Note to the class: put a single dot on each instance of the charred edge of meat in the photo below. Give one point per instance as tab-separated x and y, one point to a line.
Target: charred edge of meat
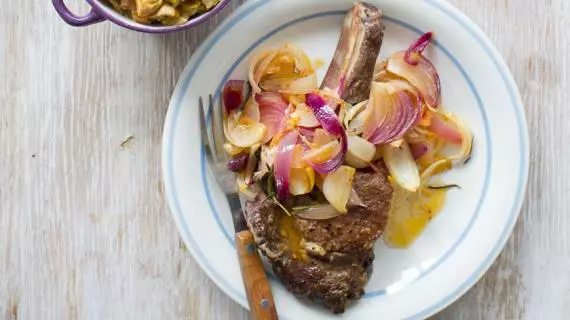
356	53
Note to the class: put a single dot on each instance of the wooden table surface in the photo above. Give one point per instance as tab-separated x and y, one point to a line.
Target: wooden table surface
85	231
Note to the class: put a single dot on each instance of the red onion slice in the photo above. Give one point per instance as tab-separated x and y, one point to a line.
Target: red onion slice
423	76
324	113
238	162
391	115
445	130
417	48
282	165
330	122
418	150
234	94
272	109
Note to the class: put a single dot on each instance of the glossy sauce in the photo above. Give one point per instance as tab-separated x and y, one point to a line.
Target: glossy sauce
410	215
293	236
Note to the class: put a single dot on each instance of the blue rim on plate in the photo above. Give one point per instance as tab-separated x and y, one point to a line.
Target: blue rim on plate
488	164
472	30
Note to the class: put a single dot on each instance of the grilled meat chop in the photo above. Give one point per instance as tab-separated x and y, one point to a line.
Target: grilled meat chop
324	260
327	261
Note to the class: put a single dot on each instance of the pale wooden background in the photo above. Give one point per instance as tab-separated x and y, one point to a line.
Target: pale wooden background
85	232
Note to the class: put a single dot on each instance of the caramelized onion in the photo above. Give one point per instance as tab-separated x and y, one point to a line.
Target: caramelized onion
285	70
322	154
402	166
241	131
305	117
301	181
391	113
417	48
423	76
337	187
257	67
330	122
272	109
251	164
291	85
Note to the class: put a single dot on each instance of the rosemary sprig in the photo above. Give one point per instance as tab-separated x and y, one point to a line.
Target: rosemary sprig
444	187
281	206
270	189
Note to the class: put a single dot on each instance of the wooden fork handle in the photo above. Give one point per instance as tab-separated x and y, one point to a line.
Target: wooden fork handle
255	280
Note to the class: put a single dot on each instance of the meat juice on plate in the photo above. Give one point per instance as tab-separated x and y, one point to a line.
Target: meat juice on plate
410	214
293	236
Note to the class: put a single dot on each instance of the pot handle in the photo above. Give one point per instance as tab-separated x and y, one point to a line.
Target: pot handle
73	19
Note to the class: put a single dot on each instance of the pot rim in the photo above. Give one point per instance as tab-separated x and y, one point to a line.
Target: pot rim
110	14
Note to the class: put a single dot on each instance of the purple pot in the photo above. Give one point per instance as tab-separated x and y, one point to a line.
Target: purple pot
100	12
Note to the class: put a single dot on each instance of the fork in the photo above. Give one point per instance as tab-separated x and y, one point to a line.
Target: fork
255	281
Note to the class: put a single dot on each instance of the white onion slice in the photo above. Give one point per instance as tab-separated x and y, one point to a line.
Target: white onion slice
232	150
251	109
360	152
466	146
337	187
306	117
301	181
262	74
435	168
402	166
243	132
354	118
318	212
291	85
257	67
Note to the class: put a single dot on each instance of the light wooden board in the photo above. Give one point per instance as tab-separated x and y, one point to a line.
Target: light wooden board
85	232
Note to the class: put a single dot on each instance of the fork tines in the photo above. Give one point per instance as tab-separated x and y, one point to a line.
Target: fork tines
211	142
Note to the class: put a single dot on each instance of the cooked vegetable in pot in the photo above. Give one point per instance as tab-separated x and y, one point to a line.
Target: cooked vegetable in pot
165	12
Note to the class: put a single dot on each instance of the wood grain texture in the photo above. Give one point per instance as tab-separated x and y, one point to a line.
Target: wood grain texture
257	287
84	228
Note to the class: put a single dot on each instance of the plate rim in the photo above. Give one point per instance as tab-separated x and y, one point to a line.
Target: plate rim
511	88
226	231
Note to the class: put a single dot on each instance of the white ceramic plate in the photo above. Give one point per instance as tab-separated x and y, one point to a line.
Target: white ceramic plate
458	246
